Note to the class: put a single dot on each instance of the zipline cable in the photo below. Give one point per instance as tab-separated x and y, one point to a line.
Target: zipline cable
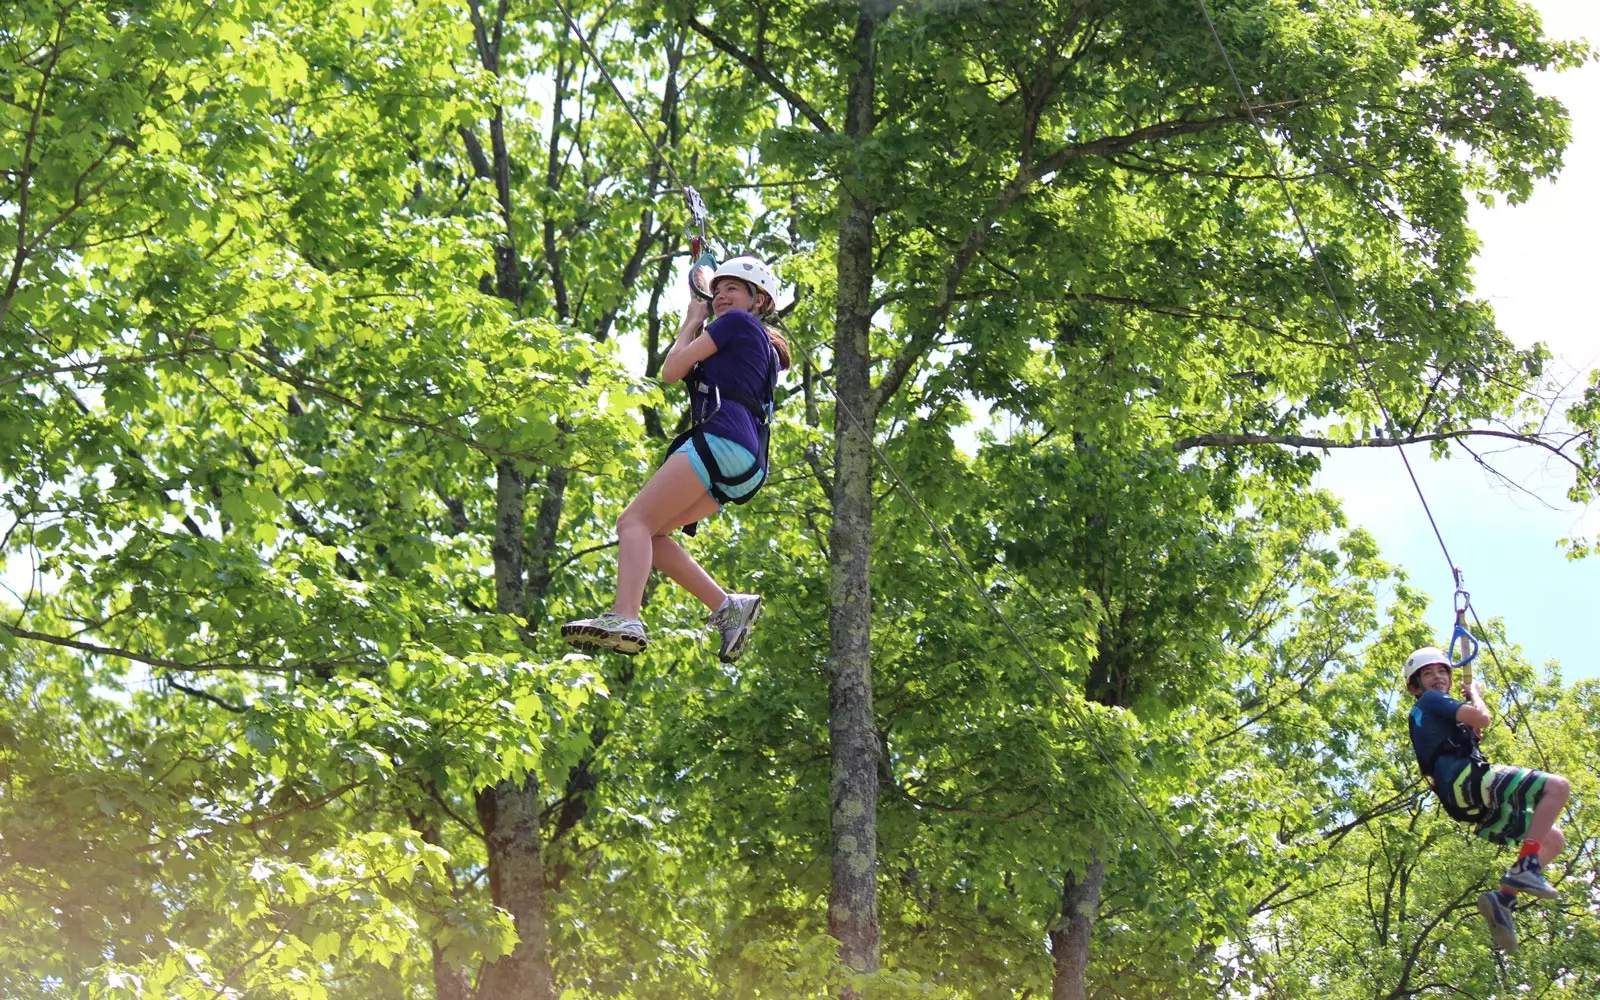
658	147
696	206
1362	363
1510	690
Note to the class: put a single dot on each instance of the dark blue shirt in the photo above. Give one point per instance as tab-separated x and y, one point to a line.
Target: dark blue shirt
740	362
1443	745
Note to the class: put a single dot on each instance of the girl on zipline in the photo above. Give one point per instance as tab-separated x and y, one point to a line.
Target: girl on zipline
1504	804
731	365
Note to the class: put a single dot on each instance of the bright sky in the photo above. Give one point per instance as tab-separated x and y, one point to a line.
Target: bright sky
1538	268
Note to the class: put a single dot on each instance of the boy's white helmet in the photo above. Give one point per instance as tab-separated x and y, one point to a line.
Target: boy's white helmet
1426	656
751	269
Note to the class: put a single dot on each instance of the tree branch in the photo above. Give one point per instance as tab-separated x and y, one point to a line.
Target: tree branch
25	179
288	666
1027	177
1300	441
475	153
102	362
764	74
203	694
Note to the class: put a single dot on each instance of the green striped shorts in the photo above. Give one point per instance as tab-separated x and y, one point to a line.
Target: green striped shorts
1508	793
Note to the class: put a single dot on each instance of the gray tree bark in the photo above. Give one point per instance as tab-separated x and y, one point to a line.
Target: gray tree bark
509	813
853	784
1069	939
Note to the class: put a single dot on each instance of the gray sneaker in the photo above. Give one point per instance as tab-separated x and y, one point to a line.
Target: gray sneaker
1527	876
609	631
734	620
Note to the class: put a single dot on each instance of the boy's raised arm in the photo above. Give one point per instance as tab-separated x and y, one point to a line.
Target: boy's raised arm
1473	711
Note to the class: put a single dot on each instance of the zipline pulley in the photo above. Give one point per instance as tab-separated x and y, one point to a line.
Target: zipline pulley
704	262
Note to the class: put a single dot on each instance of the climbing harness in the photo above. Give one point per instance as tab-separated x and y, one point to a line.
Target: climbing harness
705	398
705	402
1464	802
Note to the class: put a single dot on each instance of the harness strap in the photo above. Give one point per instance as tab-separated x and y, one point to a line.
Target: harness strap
760	411
1462	743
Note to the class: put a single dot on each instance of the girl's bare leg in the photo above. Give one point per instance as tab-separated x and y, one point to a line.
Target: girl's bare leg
670	558
672	489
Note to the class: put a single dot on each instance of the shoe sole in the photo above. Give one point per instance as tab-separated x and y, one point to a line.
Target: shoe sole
1503	938
741	639
1544	891
593	638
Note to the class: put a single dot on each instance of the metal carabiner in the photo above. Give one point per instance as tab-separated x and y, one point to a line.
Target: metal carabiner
1463	601
697	209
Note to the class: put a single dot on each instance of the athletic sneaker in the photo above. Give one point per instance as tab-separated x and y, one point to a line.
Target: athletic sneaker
1528	876
734	620
1498	915
609	631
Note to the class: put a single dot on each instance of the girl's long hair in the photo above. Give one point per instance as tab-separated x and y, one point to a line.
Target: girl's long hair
780	343
775	336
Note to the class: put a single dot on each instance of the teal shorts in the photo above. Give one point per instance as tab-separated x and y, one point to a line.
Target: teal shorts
732	458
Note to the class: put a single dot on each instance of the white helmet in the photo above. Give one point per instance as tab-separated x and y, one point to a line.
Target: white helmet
751	269
1424	657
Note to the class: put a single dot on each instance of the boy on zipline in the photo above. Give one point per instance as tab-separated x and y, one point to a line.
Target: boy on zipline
731	365
1504	804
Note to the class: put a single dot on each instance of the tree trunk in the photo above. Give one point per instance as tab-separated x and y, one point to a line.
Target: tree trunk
1069	939
852	730
543	544
449	982
509	813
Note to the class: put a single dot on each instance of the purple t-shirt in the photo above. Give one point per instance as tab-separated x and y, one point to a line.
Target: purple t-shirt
740	362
